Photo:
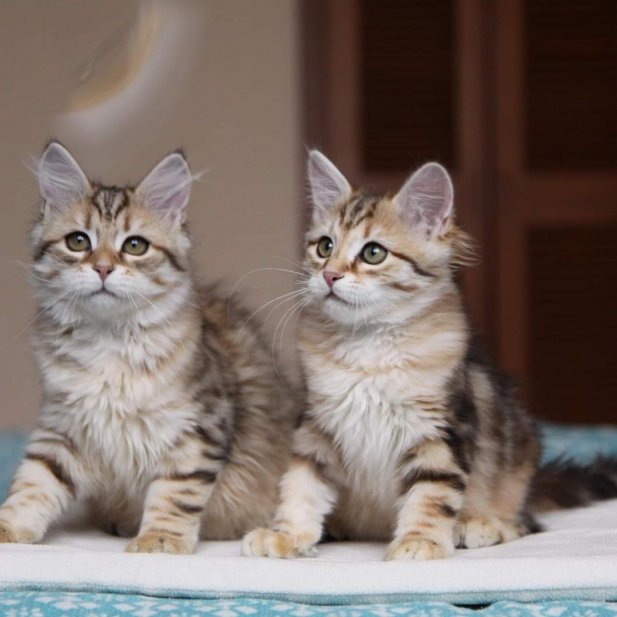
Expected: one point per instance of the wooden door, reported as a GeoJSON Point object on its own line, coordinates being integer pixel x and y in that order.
{"type": "Point", "coordinates": [556, 100]}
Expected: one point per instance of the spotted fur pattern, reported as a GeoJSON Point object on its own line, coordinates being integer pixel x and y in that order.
{"type": "Point", "coordinates": [409, 436]}
{"type": "Point", "coordinates": [160, 407]}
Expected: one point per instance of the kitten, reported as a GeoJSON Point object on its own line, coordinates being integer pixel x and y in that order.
{"type": "Point", "coordinates": [160, 405]}
{"type": "Point", "coordinates": [409, 435]}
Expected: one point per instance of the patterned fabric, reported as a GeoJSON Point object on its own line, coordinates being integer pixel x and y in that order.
{"type": "Point", "coordinates": [38, 604]}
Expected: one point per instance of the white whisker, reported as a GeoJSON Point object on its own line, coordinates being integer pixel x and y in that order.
{"type": "Point", "coordinates": [244, 276]}
{"type": "Point", "coordinates": [282, 298]}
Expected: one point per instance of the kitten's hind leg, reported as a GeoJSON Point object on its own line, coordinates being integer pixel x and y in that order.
{"type": "Point", "coordinates": [497, 516]}
{"type": "Point", "coordinates": [481, 531]}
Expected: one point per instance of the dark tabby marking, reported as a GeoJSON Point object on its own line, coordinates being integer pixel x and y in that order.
{"type": "Point", "coordinates": [56, 469]}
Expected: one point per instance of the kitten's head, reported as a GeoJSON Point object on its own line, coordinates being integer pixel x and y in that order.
{"type": "Point", "coordinates": [378, 258]}
{"type": "Point", "coordinates": [105, 252]}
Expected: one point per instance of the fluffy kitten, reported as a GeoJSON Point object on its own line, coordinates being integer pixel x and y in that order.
{"type": "Point", "coordinates": [409, 435]}
{"type": "Point", "coordinates": [160, 406]}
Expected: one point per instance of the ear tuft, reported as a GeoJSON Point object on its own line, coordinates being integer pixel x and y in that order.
{"type": "Point", "coordinates": [167, 188]}
{"type": "Point", "coordinates": [61, 180]}
{"type": "Point", "coordinates": [427, 199]}
{"type": "Point", "coordinates": [328, 185]}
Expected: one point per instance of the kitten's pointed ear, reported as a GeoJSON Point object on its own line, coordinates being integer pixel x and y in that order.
{"type": "Point", "coordinates": [426, 199]}
{"type": "Point", "coordinates": [167, 188]}
{"type": "Point", "coordinates": [61, 180]}
{"type": "Point", "coordinates": [328, 185]}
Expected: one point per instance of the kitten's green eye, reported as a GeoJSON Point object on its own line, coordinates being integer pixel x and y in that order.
{"type": "Point", "coordinates": [78, 241]}
{"type": "Point", "coordinates": [135, 245]}
{"type": "Point", "coordinates": [373, 253]}
{"type": "Point", "coordinates": [324, 247]}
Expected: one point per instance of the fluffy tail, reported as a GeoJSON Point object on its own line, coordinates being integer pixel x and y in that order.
{"type": "Point", "coordinates": [566, 484]}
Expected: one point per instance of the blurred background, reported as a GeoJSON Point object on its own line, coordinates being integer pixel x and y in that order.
{"type": "Point", "coordinates": [517, 97]}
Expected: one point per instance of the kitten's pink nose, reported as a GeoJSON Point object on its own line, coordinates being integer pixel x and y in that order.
{"type": "Point", "coordinates": [331, 277]}
{"type": "Point", "coordinates": [103, 270]}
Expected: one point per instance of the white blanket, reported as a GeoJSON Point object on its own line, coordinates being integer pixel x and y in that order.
{"type": "Point", "coordinates": [575, 558]}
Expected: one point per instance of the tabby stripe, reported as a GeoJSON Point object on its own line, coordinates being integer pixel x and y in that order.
{"type": "Point", "coordinates": [55, 441]}
{"type": "Point", "coordinates": [454, 441]}
{"type": "Point", "coordinates": [123, 204]}
{"type": "Point", "coordinates": [187, 508]}
{"type": "Point", "coordinates": [51, 433]}
{"type": "Point", "coordinates": [96, 205]}
{"type": "Point", "coordinates": [56, 469]}
{"type": "Point", "coordinates": [203, 475]}
{"type": "Point", "coordinates": [368, 210]}
{"type": "Point", "coordinates": [368, 215]}
{"type": "Point", "coordinates": [107, 198]}
{"type": "Point", "coordinates": [170, 256]}
{"type": "Point", "coordinates": [42, 249]}
{"type": "Point", "coordinates": [216, 456]}
{"type": "Point", "coordinates": [354, 210]}
{"type": "Point", "coordinates": [413, 262]}
{"type": "Point", "coordinates": [207, 438]}
{"type": "Point", "coordinates": [402, 287]}
{"type": "Point", "coordinates": [453, 480]}
{"type": "Point", "coordinates": [447, 511]}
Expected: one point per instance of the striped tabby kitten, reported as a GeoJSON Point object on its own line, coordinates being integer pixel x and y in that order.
{"type": "Point", "coordinates": [409, 435]}
{"type": "Point", "coordinates": [159, 409]}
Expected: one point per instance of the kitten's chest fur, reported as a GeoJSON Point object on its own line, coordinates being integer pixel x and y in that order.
{"type": "Point", "coordinates": [116, 397]}
{"type": "Point", "coordinates": [378, 394]}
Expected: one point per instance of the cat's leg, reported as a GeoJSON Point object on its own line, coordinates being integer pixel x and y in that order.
{"type": "Point", "coordinates": [307, 496]}
{"type": "Point", "coordinates": [495, 511]}
{"type": "Point", "coordinates": [306, 499]}
{"type": "Point", "coordinates": [47, 480]}
{"type": "Point", "coordinates": [177, 497]}
{"type": "Point", "coordinates": [432, 486]}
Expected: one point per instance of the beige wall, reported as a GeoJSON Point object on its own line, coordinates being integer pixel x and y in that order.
{"type": "Point", "coordinates": [231, 100]}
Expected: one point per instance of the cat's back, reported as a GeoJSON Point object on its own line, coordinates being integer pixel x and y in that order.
{"type": "Point", "coordinates": [238, 337]}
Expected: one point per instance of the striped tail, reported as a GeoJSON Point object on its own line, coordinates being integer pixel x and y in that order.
{"type": "Point", "coordinates": [567, 484]}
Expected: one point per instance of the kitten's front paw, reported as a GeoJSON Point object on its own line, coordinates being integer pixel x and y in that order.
{"type": "Point", "coordinates": [416, 547]}
{"type": "Point", "coordinates": [269, 543]}
{"type": "Point", "coordinates": [477, 532]}
{"type": "Point", "coordinates": [159, 543]}
{"type": "Point", "coordinates": [9, 535]}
